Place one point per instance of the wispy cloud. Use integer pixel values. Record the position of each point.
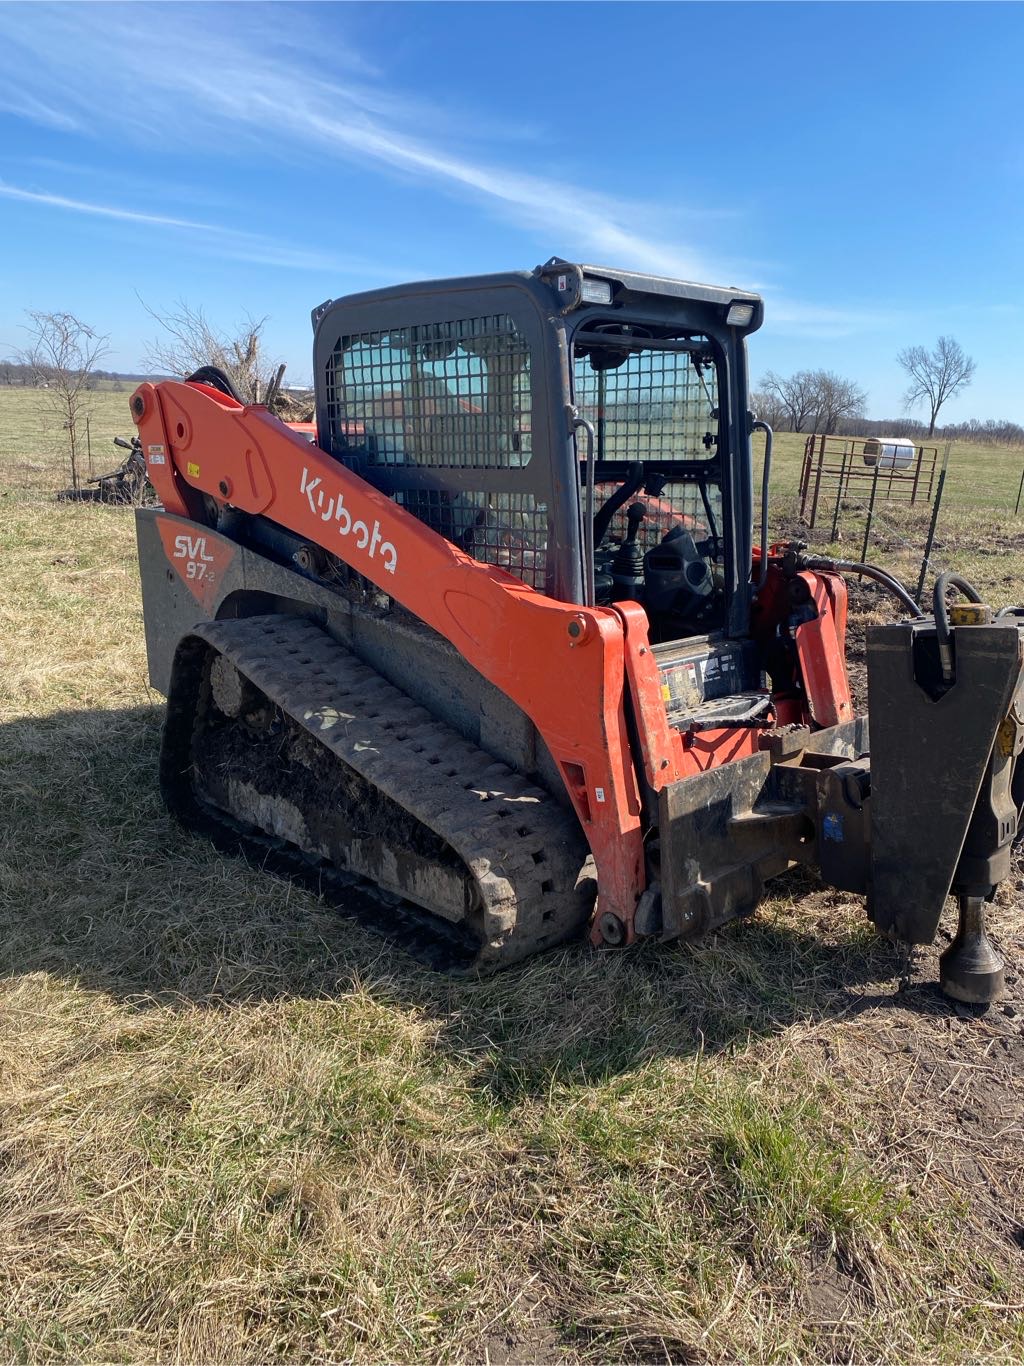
(26, 105)
(211, 80)
(219, 82)
(224, 241)
(815, 320)
(59, 201)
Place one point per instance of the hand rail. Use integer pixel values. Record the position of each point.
(589, 594)
(758, 426)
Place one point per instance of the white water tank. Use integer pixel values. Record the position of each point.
(889, 452)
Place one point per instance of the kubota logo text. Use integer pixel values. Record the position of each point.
(332, 508)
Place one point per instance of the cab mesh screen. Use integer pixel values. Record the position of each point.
(506, 529)
(454, 395)
(654, 406)
(437, 397)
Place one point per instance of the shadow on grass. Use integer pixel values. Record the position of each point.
(100, 886)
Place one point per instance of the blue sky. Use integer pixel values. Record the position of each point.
(861, 165)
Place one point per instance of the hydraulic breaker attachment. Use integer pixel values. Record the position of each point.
(971, 969)
(946, 729)
(932, 811)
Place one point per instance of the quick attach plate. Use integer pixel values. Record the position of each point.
(929, 752)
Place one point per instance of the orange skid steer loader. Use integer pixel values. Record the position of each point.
(494, 657)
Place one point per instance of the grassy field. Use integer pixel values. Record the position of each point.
(233, 1128)
(979, 476)
(31, 444)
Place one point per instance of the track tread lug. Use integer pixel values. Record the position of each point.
(495, 819)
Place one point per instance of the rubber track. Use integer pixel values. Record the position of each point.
(525, 852)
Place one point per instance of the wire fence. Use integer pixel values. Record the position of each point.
(835, 466)
(860, 482)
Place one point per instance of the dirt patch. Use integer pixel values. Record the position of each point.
(946, 1083)
(830, 1295)
(533, 1342)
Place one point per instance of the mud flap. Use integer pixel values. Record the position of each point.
(930, 749)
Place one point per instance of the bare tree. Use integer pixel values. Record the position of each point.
(769, 408)
(797, 396)
(935, 375)
(835, 399)
(992, 432)
(819, 399)
(61, 354)
(190, 341)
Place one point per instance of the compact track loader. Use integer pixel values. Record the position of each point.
(491, 654)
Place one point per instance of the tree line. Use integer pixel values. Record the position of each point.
(824, 402)
(18, 375)
(987, 432)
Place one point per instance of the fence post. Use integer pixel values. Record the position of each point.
(1019, 492)
(919, 451)
(931, 529)
(871, 513)
(805, 479)
(839, 494)
(931, 476)
(817, 487)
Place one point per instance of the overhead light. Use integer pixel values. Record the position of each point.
(739, 315)
(595, 291)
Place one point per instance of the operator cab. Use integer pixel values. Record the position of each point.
(652, 402)
(584, 429)
(659, 384)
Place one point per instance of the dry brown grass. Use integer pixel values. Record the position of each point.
(32, 446)
(235, 1128)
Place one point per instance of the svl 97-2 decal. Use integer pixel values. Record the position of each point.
(199, 558)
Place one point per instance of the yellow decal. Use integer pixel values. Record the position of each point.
(969, 614)
(193, 470)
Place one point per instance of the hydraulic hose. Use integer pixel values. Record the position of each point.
(868, 571)
(216, 378)
(947, 580)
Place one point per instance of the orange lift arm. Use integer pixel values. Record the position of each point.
(564, 665)
(567, 667)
